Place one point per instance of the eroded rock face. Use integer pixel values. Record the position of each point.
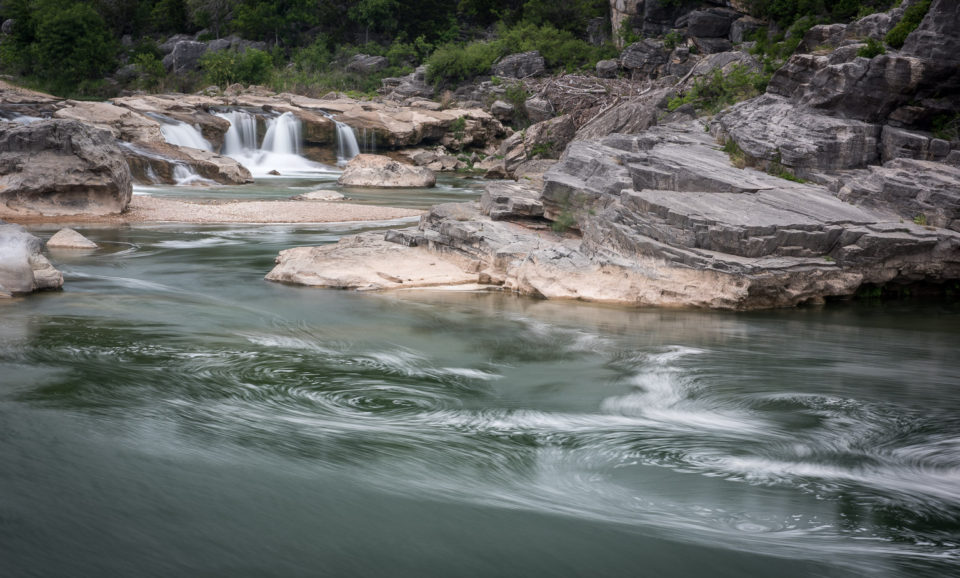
(381, 171)
(62, 167)
(23, 269)
(663, 219)
(521, 65)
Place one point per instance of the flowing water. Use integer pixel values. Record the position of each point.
(170, 413)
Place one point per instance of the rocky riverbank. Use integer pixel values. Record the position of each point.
(778, 201)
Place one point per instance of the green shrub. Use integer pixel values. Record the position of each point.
(226, 67)
(72, 45)
(873, 48)
(716, 91)
(457, 63)
(912, 17)
(947, 127)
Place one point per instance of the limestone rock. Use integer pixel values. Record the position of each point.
(62, 167)
(914, 189)
(643, 59)
(502, 110)
(898, 143)
(521, 65)
(743, 27)
(321, 195)
(538, 109)
(368, 262)
(69, 239)
(711, 23)
(508, 200)
(607, 68)
(772, 128)
(184, 56)
(379, 171)
(23, 269)
(409, 86)
(366, 64)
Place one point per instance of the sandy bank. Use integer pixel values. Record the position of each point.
(147, 209)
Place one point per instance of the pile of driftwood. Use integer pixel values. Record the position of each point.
(584, 97)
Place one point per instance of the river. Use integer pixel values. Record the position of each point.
(170, 413)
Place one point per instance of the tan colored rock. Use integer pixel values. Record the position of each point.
(23, 269)
(67, 238)
(381, 171)
(321, 195)
(367, 262)
(61, 167)
(122, 123)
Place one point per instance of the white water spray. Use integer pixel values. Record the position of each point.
(280, 150)
(347, 146)
(184, 135)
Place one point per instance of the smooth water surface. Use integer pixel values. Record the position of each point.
(170, 413)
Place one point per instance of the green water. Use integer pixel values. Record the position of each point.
(170, 413)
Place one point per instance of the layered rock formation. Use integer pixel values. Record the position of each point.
(657, 219)
(23, 269)
(380, 171)
(61, 167)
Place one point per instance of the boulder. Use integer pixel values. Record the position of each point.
(366, 64)
(712, 45)
(544, 140)
(23, 269)
(898, 143)
(510, 201)
(379, 171)
(521, 65)
(742, 28)
(184, 56)
(502, 110)
(538, 109)
(711, 23)
(69, 239)
(413, 85)
(62, 167)
(607, 68)
(644, 59)
(772, 128)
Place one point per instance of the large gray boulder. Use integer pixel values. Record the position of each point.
(367, 64)
(644, 59)
(62, 167)
(380, 171)
(184, 56)
(771, 128)
(521, 65)
(710, 23)
(413, 85)
(23, 269)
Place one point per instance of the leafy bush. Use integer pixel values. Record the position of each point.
(455, 63)
(912, 17)
(72, 45)
(714, 92)
(873, 48)
(226, 67)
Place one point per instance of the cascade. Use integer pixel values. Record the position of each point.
(184, 175)
(280, 150)
(347, 147)
(369, 139)
(182, 134)
(242, 134)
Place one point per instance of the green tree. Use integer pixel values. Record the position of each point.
(72, 44)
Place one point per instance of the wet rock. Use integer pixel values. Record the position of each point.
(521, 65)
(62, 167)
(23, 269)
(380, 171)
(69, 239)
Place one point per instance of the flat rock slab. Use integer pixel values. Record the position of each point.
(368, 262)
(70, 239)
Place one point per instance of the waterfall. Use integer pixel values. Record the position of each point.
(184, 135)
(242, 134)
(281, 148)
(369, 140)
(283, 135)
(347, 147)
(184, 175)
